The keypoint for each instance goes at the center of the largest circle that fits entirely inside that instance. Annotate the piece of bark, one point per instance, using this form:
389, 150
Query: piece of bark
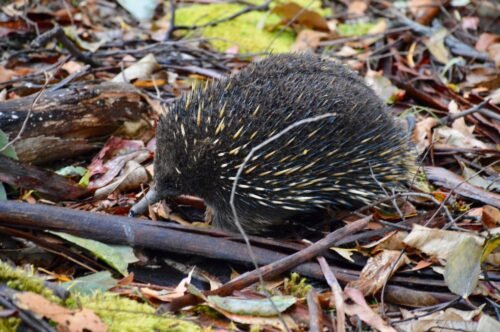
70, 121
459, 185
53, 185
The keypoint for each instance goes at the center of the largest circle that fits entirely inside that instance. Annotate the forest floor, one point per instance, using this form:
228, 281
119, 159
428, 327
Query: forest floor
82, 86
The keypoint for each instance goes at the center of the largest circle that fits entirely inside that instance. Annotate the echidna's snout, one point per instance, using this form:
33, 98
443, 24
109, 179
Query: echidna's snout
153, 195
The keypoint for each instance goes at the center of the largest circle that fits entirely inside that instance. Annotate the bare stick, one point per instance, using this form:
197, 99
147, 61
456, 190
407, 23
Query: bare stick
58, 33
476, 108
315, 313
336, 292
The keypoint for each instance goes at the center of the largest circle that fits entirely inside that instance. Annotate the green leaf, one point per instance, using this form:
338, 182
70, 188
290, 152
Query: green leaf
491, 245
100, 281
84, 181
4, 140
118, 257
3, 194
72, 171
260, 307
463, 267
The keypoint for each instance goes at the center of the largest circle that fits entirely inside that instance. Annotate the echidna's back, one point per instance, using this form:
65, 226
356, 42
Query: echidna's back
341, 160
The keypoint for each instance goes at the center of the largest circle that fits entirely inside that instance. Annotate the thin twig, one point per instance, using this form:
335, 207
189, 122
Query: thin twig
334, 284
477, 108
58, 33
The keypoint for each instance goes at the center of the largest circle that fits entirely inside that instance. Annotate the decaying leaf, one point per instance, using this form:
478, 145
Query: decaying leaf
449, 319
436, 46
424, 10
437, 242
308, 40
141, 69
361, 309
67, 320
422, 134
383, 87
302, 16
378, 270
357, 8
259, 307
463, 267
255, 312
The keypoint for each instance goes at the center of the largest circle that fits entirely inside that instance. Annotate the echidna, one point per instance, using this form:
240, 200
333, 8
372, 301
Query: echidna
339, 161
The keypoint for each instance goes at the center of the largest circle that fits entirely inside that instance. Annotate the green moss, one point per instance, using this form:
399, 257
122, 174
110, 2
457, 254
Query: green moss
22, 280
247, 31
119, 314
25, 281
356, 29
9, 324
122, 315
296, 286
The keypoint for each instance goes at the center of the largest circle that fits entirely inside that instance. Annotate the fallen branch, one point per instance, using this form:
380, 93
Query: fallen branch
29, 177
70, 121
191, 241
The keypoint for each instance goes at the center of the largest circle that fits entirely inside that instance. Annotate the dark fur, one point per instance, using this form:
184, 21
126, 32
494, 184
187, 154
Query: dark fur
362, 140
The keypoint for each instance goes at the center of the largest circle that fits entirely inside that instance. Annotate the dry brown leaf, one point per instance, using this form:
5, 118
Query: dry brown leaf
6, 74
490, 216
422, 134
72, 67
357, 8
141, 69
436, 46
67, 320
308, 40
437, 242
361, 309
470, 22
459, 124
424, 10
304, 17
485, 40
449, 319
494, 52
378, 270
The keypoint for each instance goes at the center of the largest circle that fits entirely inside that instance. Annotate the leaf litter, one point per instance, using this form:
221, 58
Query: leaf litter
431, 63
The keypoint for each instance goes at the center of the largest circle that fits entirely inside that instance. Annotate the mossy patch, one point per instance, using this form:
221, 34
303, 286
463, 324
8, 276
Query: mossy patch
118, 313
122, 314
247, 31
25, 281
355, 29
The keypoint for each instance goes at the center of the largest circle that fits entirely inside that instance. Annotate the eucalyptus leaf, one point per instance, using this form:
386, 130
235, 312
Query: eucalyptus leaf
463, 267
118, 257
3, 194
72, 170
253, 307
4, 140
87, 285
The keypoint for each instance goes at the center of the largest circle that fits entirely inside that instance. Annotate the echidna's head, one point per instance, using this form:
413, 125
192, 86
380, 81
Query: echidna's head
182, 160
